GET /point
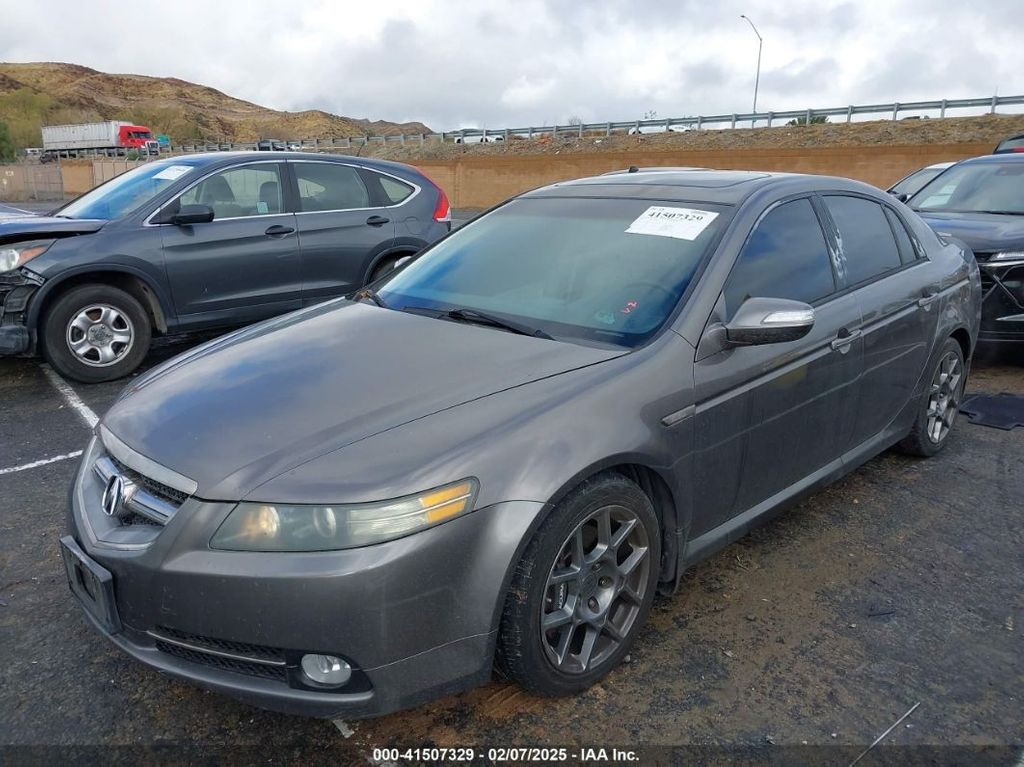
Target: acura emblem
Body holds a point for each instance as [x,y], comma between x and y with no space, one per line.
[113,495]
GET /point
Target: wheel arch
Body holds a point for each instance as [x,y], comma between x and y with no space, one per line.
[398,250]
[128,280]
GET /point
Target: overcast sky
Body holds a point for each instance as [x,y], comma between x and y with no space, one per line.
[520,62]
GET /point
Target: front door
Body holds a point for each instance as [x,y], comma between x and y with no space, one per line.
[770,416]
[245,264]
[342,228]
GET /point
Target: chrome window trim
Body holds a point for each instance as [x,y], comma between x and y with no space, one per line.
[416,188]
[146,466]
[149,219]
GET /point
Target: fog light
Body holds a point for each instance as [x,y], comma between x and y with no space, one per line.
[326,669]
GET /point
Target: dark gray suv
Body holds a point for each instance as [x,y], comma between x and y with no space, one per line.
[505,448]
[202,241]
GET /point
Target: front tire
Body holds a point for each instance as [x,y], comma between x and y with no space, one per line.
[941,403]
[96,333]
[583,588]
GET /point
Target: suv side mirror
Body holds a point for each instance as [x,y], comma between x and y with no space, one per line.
[901,196]
[769,321]
[193,214]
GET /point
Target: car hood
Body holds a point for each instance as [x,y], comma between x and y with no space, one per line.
[239,412]
[982,232]
[30,227]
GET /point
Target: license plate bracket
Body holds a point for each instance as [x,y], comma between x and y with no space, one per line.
[92,584]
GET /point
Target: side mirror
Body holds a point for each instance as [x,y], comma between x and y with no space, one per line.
[769,321]
[901,196]
[193,214]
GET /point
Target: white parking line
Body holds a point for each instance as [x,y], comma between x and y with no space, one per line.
[43,462]
[71,396]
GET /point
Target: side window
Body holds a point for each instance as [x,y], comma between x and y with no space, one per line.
[328,186]
[253,190]
[394,190]
[865,237]
[784,257]
[903,242]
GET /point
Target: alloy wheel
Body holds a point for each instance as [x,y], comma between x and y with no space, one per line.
[595,590]
[944,397]
[100,335]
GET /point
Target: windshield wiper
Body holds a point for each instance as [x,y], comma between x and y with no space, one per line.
[1002,212]
[482,318]
[372,295]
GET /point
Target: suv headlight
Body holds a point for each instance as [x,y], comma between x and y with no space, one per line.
[20,253]
[280,527]
[1007,255]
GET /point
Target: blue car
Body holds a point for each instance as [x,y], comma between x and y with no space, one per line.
[981,203]
[203,241]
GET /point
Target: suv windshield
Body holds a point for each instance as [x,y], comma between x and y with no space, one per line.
[599,270]
[128,192]
[983,187]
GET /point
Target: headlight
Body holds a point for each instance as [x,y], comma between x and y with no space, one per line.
[1009,255]
[20,253]
[279,527]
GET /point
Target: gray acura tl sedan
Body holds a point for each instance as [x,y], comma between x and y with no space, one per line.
[203,241]
[502,450]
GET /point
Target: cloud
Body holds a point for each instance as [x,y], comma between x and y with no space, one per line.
[496,63]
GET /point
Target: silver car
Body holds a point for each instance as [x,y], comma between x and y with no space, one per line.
[503,449]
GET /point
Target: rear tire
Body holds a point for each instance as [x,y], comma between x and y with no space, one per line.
[583,589]
[95,333]
[940,404]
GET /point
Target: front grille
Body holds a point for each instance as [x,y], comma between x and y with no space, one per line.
[277,673]
[224,645]
[158,489]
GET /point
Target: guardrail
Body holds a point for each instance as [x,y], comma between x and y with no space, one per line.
[734,120]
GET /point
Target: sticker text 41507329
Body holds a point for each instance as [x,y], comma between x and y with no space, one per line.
[681,223]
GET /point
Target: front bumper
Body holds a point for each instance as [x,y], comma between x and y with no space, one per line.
[1002,308]
[16,290]
[415,617]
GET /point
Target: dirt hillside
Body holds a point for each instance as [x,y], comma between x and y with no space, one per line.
[38,94]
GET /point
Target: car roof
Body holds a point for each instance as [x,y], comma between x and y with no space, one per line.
[995,158]
[726,187]
[201,159]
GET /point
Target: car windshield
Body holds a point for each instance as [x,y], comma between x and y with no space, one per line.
[128,192]
[983,187]
[607,271]
[913,183]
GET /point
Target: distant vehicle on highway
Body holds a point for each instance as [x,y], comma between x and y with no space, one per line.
[502,451]
[912,183]
[1012,144]
[270,145]
[981,202]
[480,139]
[201,241]
[111,137]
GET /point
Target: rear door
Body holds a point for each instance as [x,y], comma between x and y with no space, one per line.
[770,416]
[893,286]
[343,227]
[243,265]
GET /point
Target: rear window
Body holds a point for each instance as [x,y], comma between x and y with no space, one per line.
[866,238]
[1015,144]
[394,190]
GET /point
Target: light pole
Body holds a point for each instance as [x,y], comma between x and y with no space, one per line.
[757,76]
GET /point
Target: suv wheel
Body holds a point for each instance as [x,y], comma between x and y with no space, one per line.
[583,589]
[96,333]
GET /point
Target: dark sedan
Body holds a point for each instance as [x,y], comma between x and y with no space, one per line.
[508,446]
[203,241]
[981,202]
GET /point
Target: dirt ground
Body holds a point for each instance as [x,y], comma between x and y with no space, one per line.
[987,129]
[901,584]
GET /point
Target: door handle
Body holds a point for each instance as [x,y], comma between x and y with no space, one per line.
[844,339]
[377,220]
[930,296]
[278,231]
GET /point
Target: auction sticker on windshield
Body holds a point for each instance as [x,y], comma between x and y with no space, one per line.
[173,172]
[681,223]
